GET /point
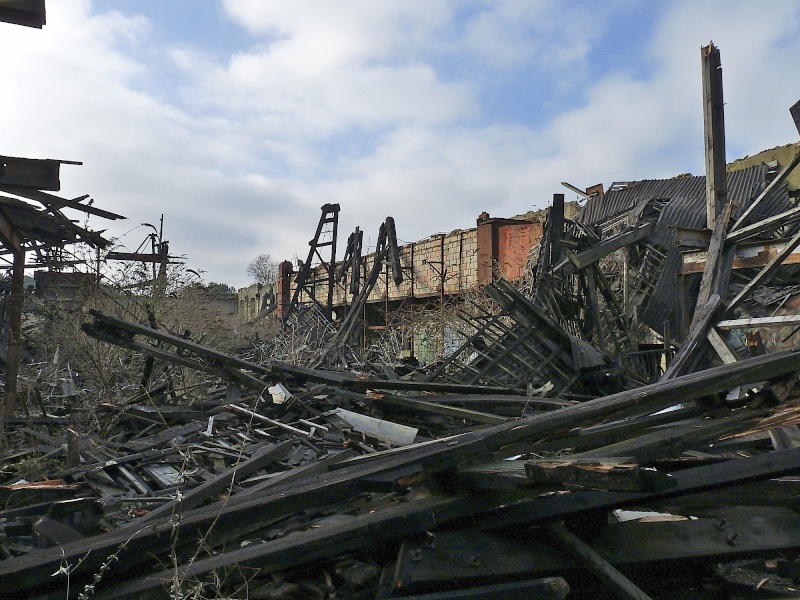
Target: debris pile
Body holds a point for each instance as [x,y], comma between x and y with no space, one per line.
[299,482]
[627,427]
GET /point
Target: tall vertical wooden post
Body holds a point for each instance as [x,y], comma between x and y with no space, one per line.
[13,352]
[556,218]
[714,127]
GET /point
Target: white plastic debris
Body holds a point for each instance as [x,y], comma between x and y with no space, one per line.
[279,393]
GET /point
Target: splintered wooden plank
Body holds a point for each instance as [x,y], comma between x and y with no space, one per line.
[622,474]
[19,494]
[689,481]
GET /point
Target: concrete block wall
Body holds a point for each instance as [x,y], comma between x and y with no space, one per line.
[456,256]
[249,301]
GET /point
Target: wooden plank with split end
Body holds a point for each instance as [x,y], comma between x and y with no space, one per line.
[597,473]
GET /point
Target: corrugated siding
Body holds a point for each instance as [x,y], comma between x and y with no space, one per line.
[686,207]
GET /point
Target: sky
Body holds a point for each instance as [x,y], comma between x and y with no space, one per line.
[237,120]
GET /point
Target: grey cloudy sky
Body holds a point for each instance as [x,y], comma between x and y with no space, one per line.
[238,119]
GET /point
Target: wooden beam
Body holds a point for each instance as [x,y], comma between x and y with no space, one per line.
[764,226]
[607,246]
[765,274]
[779,179]
[694,341]
[604,473]
[721,346]
[601,568]
[714,129]
[14,347]
[51,201]
[718,263]
[756,322]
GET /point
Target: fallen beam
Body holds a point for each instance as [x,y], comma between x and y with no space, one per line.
[26,573]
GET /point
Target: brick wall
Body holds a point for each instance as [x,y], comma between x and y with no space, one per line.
[458,261]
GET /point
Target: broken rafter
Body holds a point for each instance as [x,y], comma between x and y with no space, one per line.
[779,179]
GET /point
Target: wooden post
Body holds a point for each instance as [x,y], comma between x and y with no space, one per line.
[13,352]
[714,128]
[556,229]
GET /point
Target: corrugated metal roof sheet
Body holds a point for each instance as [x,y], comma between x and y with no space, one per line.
[686,208]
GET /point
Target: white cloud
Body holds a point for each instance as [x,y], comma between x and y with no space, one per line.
[376,106]
[519,32]
[313,36]
[758,46]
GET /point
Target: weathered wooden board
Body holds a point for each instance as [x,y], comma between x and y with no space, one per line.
[469,557]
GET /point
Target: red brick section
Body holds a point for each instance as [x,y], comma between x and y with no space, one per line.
[505,243]
[514,243]
[283,293]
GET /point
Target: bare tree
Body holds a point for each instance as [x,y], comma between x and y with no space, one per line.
[263,269]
